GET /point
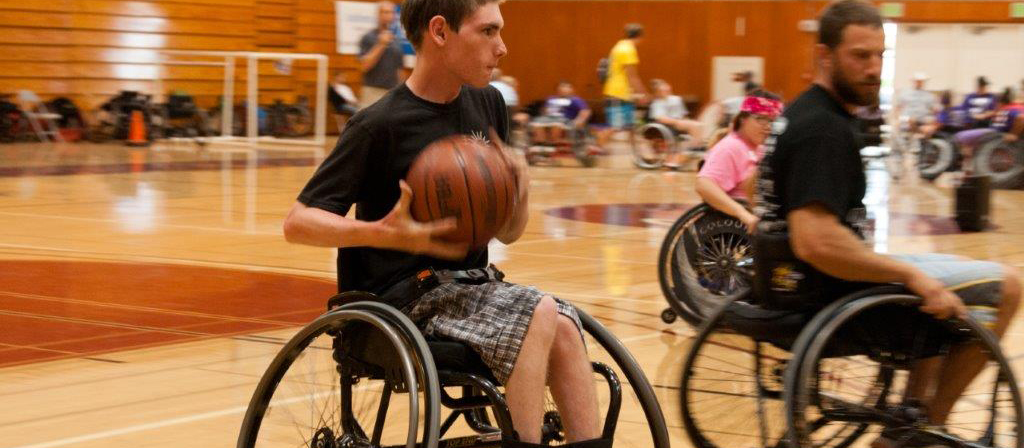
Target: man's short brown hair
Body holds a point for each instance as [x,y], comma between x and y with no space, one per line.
[416,15]
[837,16]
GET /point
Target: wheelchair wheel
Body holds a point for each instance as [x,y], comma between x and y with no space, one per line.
[732,385]
[345,380]
[584,147]
[652,144]
[704,260]
[938,154]
[646,425]
[851,373]
[1002,160]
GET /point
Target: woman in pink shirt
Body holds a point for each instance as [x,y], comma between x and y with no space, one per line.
[731,164]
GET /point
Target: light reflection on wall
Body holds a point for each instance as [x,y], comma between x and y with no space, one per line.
[137,214]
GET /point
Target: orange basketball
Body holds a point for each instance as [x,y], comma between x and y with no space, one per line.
[467,178]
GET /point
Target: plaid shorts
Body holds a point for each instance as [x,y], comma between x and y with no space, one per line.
[491,318]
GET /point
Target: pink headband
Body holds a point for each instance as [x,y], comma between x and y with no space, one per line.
[761,106]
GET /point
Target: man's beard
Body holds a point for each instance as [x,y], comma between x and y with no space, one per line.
[848,93]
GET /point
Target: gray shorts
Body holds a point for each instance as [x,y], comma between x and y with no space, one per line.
[492,318]
[978,283]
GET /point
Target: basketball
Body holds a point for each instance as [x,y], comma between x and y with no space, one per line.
[466,178]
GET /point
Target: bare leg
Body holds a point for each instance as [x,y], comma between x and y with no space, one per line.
[525,388]
[571,380]
[965,362]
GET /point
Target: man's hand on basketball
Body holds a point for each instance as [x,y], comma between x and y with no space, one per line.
[938,301]
[516,161]
[421,237]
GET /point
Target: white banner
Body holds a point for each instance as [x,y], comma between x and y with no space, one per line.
[353,20]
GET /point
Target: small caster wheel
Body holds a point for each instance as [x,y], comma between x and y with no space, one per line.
[668,315]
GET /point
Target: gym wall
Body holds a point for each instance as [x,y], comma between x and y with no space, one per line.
[90,49]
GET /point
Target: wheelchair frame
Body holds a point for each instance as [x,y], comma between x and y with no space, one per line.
[799,377]
[416,359]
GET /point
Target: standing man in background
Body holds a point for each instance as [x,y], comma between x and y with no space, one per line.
[380,57]
[623,86]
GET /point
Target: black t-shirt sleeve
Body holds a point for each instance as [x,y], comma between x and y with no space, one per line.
[366,43]
[338,182]
[818,172]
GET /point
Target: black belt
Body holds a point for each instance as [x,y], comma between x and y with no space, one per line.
[409,290]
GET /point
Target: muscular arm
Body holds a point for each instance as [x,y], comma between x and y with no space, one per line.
[821,240]
[818,238]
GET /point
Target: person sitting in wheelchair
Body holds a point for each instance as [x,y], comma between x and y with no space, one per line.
[1008,120]
[527,338]
[916,106]
[669,110]
[730,166]
[562,112]
[811,190]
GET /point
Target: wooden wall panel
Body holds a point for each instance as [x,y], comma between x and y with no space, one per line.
[96,47]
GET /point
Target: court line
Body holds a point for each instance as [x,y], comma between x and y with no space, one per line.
[174,226]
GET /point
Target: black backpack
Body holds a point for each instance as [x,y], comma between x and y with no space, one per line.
[603,67]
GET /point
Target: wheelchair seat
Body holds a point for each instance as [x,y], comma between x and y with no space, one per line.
[453,356]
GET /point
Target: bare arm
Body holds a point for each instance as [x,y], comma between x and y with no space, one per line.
[396,231]
[716,197]
[370,59]
[634,79]
[516,224]
[818,238]
[582,118]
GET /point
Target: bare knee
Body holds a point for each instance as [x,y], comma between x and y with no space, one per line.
[545,318]
[567,338]
[1011,289]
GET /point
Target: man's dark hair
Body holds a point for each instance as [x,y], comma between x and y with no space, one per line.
[416,15]
[837,16]
[634,30]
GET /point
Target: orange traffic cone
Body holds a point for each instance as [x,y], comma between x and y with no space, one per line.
[137,130]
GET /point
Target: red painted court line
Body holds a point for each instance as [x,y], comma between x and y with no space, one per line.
[65,302]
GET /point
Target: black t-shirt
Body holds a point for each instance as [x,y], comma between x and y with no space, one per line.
[379,144]
[812,156]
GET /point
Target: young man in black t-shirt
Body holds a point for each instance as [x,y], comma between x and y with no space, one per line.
[528,339]
[812,185]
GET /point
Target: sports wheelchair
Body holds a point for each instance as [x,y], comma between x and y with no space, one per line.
[760,373]
[653,142]
[363,375]
[578,143]
[705,259]
[1002,159]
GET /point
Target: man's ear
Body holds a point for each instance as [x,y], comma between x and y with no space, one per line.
[438,30]
[823,55]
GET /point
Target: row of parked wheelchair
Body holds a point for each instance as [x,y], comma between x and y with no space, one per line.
[755,375]
[26,118]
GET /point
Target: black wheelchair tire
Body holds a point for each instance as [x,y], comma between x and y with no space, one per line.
[813,338]
[986,151]
[672,282]
[946,153]
[407,335]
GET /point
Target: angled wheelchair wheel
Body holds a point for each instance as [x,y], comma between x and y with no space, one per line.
[732,385]
[704,260]
[1002,160]
[852,372]
[652,143]
[938,154]
[360,375]
[639,421]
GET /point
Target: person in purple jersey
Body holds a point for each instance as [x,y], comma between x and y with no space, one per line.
[980,105]
[563,109]
[1008,119]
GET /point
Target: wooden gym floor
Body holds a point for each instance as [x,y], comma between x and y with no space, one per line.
[144,290]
